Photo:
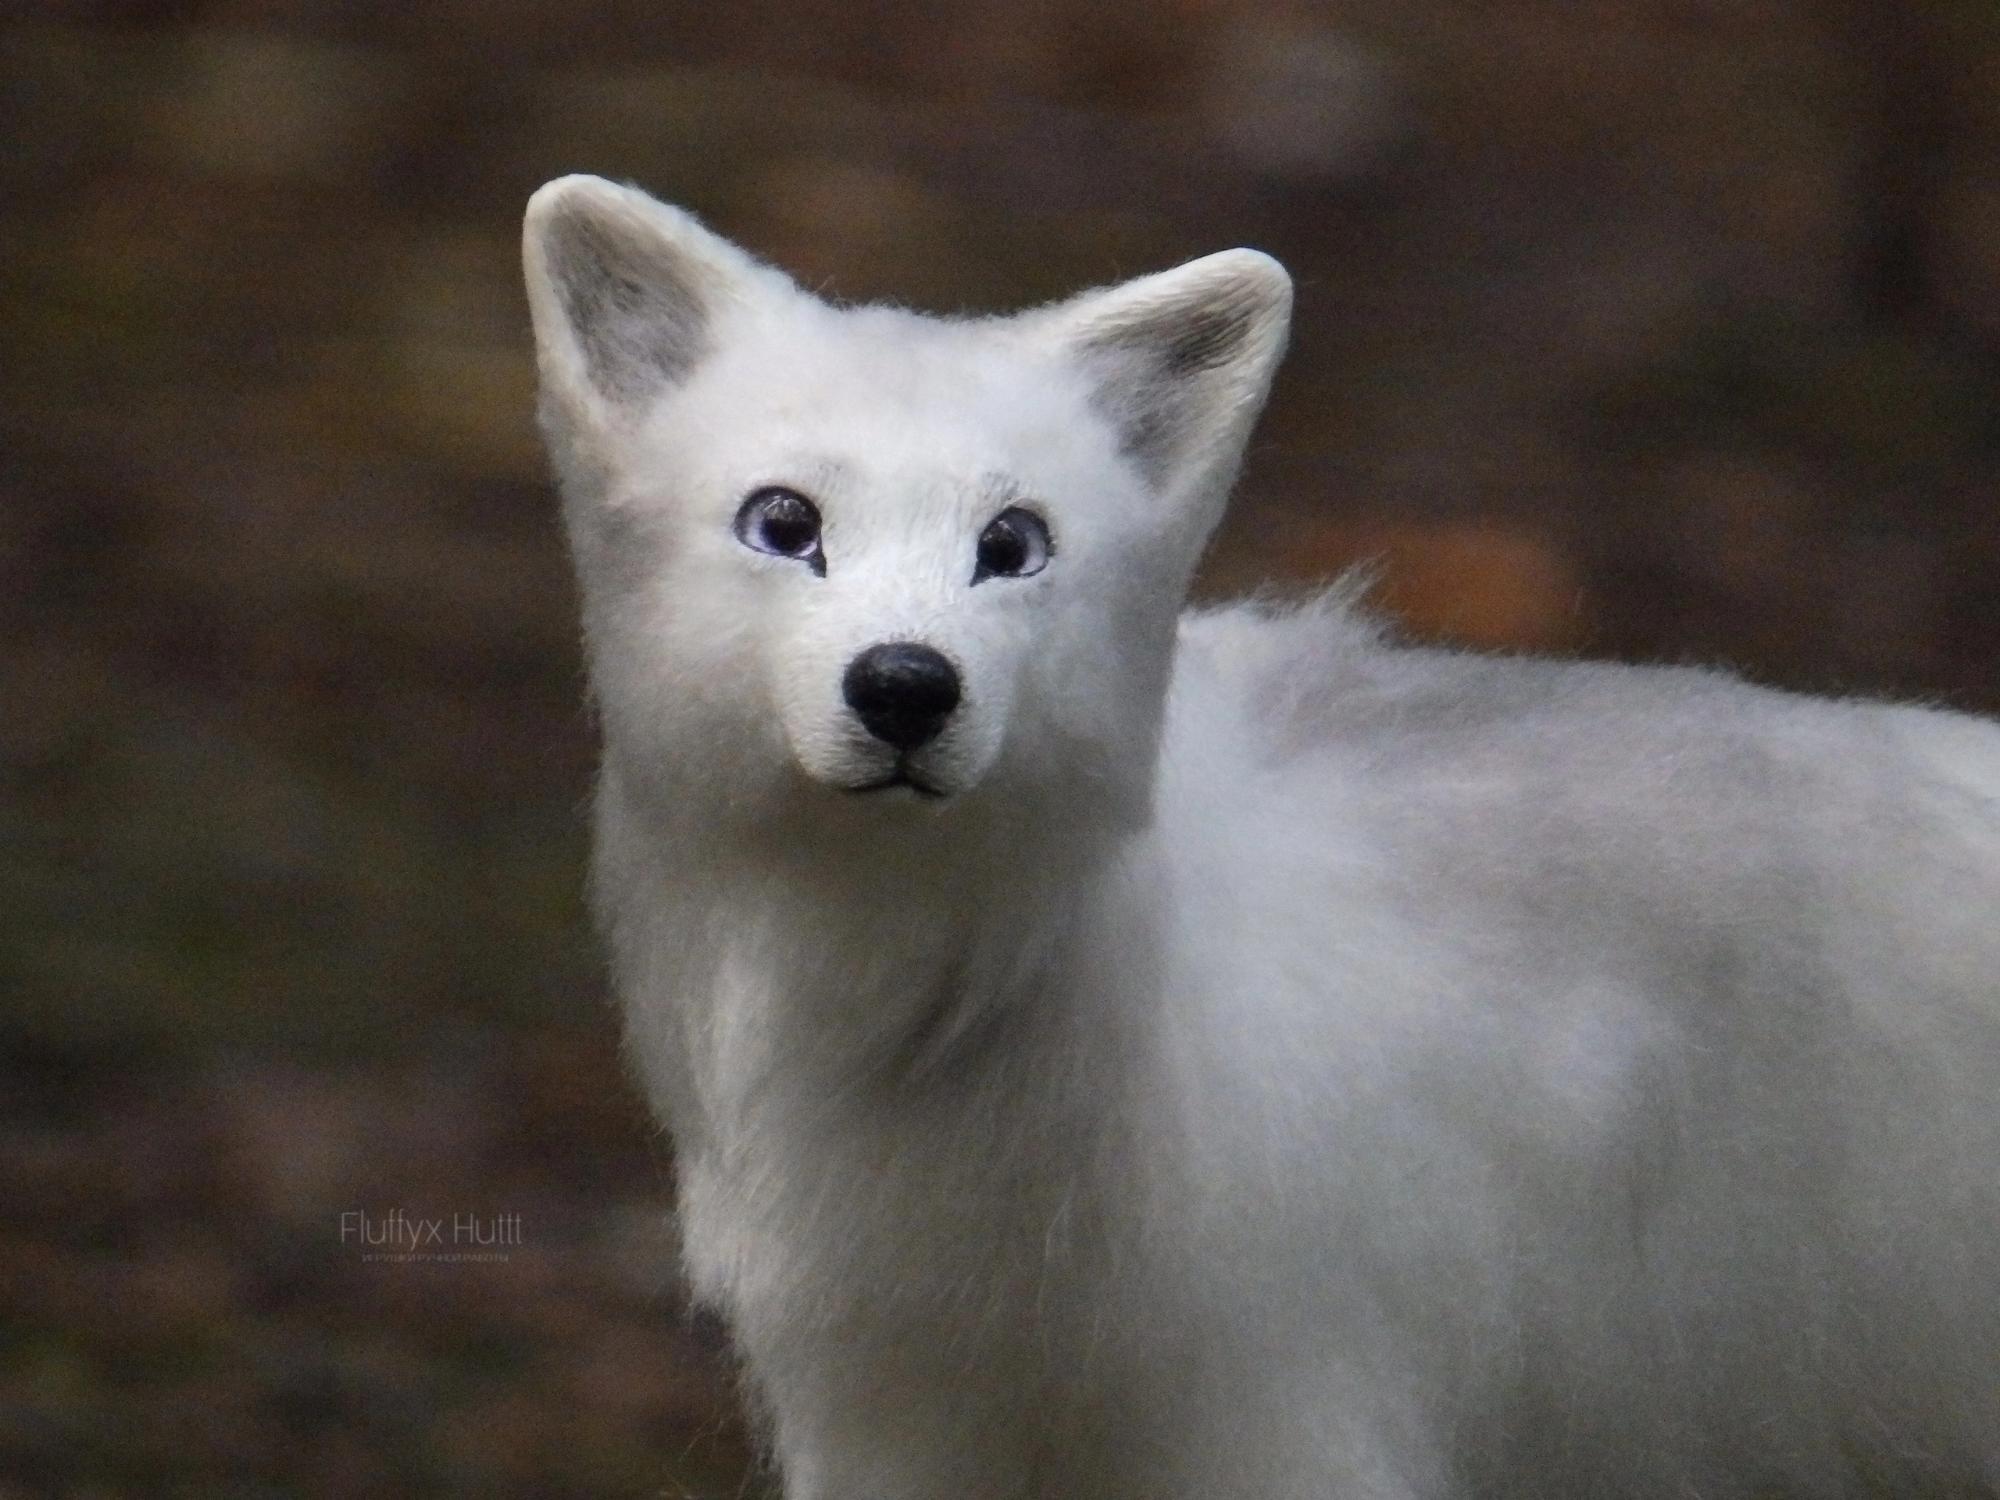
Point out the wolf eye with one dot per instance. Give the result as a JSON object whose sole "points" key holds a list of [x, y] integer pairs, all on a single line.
{"points": [[783, 523], [1015, 544]]}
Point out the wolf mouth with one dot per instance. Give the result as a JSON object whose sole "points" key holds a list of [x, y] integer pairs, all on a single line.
{"points": [[900, 777]]}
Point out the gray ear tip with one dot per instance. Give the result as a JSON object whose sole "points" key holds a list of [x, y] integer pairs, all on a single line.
{"points": [[563, 194], [1259, 277], [558, 207], [1245, 261], [581, 194], [580, 197], [580, 206]]}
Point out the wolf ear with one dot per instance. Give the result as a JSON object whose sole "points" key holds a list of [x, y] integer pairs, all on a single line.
{"points": [[1181, 361], [625, 292]]}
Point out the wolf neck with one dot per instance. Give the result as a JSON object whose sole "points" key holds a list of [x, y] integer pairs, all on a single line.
{"points": [[861, 977], [902, 972]]}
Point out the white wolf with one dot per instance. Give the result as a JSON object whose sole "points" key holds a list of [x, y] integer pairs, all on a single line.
{"points": [[1121, 1054]]}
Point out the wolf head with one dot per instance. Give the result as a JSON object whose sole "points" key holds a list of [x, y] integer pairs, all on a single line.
{"points": [[867, 559]]}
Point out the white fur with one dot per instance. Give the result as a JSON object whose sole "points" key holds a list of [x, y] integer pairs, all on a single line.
{"points": [[1288, 1064]]}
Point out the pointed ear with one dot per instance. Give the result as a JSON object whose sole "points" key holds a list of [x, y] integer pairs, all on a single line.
{"points": [[625, 292], [1181, 361]]}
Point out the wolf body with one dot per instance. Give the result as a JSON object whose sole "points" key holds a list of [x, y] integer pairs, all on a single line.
{"points": [[1115, 1052]]}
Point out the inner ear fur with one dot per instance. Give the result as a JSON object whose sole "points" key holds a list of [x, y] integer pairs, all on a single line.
{"points": [[624, 290], [1181, 361]]}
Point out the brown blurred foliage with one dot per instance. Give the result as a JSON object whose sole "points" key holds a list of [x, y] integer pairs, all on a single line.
{"points": [[1665, 329]]}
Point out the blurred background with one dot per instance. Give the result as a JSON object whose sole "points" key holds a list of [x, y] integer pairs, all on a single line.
{"points": [[1658, 329]]}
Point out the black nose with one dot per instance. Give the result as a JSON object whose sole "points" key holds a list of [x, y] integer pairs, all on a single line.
{"points": [[901, 692]]}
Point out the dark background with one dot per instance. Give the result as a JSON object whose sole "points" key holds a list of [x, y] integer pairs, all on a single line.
{"points": [[1647, 329]]}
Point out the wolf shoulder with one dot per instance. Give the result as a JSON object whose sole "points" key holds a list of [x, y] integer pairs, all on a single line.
{"points": [[1560, 774]]}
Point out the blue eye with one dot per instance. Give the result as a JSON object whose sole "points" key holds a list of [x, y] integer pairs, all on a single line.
{"points": [[1015, 544], [782, 523]]}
